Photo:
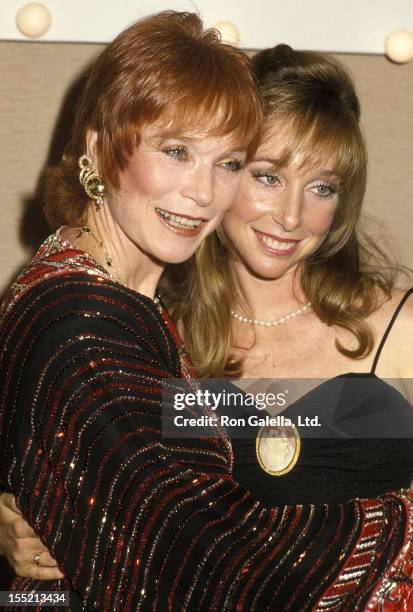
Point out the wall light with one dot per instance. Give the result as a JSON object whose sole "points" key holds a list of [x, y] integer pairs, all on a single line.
{"points": [[229, 32], [33, 20], [399, 47]]}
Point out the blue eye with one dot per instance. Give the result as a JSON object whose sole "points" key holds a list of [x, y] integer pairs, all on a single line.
{"points": [[233, 165], [324, 190], [178, 152], [266, 178]]}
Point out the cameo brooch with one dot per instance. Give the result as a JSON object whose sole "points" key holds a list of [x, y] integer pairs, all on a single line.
{"points": [[278, 449]]}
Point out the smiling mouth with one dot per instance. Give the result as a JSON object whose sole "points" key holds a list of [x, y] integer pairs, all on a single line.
{"points": [[276, 245], [180, 224]]}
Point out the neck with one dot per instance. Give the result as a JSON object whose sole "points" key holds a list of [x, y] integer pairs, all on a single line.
{"points": [[130, 266], [268, 298]]}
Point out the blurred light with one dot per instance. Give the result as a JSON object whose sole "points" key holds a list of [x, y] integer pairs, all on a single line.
{"points": [[229, 32], [399, 47], [33, 20]]}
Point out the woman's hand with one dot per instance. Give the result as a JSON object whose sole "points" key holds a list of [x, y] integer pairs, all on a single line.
{"points": [[21, 546]]}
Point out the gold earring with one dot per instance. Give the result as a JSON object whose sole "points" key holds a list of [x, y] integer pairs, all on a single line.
{"points": [[91, 181]]}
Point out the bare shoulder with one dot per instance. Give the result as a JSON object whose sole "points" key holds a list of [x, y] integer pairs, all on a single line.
{"points": [[388, 307], [400, 339], [404, 321]]}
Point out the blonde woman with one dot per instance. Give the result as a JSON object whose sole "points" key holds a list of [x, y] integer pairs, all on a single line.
{"points": [[297, 291]]}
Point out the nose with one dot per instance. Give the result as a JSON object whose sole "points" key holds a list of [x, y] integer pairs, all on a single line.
{"points": [[200, 185], [289, 210]]}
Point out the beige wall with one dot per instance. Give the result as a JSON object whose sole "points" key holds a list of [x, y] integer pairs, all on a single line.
{"points": [[350, 26], [37, 95]]}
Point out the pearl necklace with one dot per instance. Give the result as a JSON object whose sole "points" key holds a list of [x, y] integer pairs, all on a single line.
{"points": [[274, 322]]}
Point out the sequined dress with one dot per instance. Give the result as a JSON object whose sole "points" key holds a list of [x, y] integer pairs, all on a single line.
{"points": [[140, 522]]}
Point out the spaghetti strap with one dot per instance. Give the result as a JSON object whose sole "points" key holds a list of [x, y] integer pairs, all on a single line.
{"points": [[388, 330]]}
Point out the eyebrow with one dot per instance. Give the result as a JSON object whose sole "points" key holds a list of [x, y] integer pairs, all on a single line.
{"points": [[270, 160], [277, 162], [196, 138], [328, 174]]}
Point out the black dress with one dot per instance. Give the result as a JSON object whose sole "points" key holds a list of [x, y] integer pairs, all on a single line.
{"points": [[363, 448]]}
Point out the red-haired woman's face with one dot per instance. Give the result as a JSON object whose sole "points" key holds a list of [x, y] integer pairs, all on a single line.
{"points": [[281, 215], [174, 192]]}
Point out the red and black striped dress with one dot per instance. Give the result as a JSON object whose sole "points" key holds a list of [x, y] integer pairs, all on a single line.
{"points": [[141, 522]]}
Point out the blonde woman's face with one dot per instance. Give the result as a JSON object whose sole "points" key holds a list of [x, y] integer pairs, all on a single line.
{"points": [[280, 215]]}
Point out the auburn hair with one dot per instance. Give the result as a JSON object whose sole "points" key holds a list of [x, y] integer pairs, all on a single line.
{"points": [[165, 68], [346, 279]]}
